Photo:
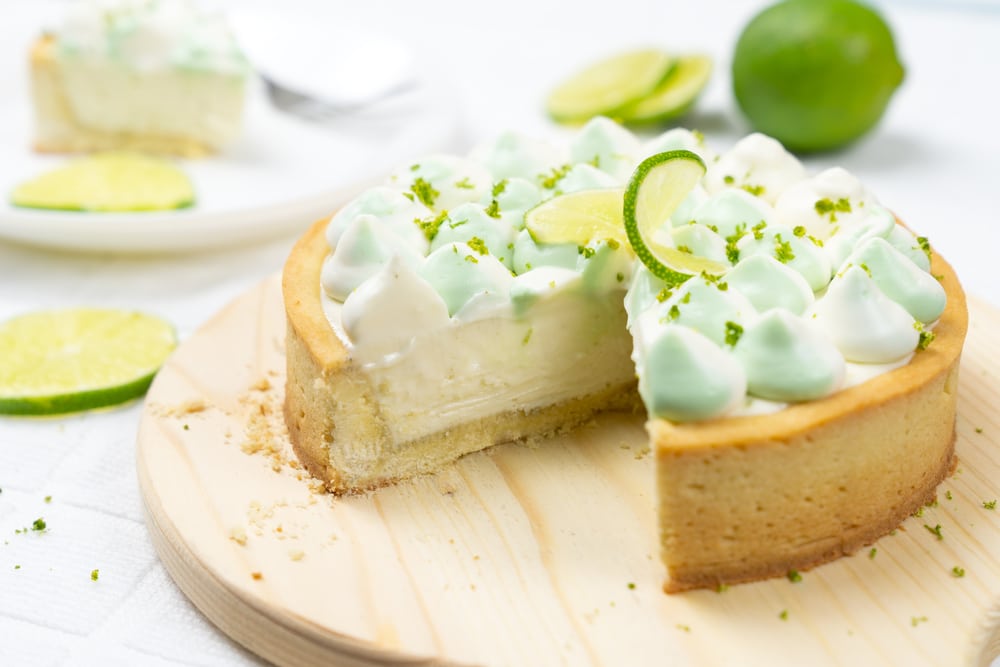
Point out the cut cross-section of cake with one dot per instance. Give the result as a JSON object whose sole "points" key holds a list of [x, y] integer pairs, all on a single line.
{"points": [[161, 76], [800, 399]]}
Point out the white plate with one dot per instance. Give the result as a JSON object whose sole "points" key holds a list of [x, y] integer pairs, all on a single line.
{"points": [[282, 174]]}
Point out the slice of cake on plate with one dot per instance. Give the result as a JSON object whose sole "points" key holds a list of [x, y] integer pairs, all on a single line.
{"points": [[801, 398], [161, 76]]}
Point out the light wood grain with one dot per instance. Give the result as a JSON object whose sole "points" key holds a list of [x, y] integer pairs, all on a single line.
{"points": [[526, 556]]}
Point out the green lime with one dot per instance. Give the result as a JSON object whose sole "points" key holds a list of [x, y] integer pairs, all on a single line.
{"points": [[606, 86], [657, 187], [77, 359], [675, 94], [815, 74], [108, 182], [578, 217]]}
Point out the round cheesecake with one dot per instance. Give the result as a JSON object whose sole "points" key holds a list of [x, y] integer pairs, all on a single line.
{"points": [[402, 361]]}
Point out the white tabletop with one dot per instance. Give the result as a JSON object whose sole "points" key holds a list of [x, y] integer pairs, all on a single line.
{"points": [[935, 160]]}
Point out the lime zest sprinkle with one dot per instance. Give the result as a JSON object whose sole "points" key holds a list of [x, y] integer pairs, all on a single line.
{"points": [[990, 504], [917, 620], [664, 294], [549, 181], [620, 277], [498, 188], [527, 336], [430, 226], [783, 615], [758, 230], [925, 245], [478, 245], [783, 250], [958, 572], [728, 180], [472, 259], [755, 190], [733, 333], [424, 191], [827, 206], [685, 249], [465, 184], [674, 312], [794, 576], [872, 553], [493, 210], [586, 251], [95, 574]]}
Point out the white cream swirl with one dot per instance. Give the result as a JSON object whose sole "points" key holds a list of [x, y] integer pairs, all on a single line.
{"points": [[864, 324]]}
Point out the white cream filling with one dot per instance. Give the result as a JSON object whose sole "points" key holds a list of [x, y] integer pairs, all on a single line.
{"points": [[568, 345]]}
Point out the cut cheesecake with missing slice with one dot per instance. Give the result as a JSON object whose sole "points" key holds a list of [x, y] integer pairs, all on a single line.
{"points": [[161, 77], [801, 403]]}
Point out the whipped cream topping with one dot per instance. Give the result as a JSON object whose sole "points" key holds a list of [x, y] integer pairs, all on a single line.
{"points": [[149, 35], [824, 289]]}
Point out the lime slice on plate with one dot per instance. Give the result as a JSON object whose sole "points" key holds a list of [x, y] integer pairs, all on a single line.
{"points": [[578, 217], [658, 185], [606, 86], [108, 182], [674, 95], [77, 359]]}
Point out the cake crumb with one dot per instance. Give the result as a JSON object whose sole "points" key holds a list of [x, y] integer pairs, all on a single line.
{"points": [[296, 554], [262, 384], [239, 535], [257, 576]]}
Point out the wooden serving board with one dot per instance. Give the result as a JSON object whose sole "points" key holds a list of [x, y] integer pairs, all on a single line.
{"points": [[527, 556]]}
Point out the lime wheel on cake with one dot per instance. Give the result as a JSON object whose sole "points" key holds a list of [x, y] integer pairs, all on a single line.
{"points": [[794, 346]]}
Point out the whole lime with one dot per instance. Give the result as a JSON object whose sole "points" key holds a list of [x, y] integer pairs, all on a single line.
{"points": [[815, 74]]}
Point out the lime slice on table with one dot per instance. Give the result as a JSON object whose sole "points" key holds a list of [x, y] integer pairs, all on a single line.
{"points": [[579, 217], [608, 85], [77, 359], [658, 185], [108, 182], [674, 95]]}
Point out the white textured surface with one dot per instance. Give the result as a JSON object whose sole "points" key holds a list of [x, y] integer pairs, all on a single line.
{"points": [[934, 160]]}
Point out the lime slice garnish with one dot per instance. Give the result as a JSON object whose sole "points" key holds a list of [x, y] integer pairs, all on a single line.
{"points": [[674, 95], [658, 185], [578, 217], [606, 86], [108, 182], [77, 359]]}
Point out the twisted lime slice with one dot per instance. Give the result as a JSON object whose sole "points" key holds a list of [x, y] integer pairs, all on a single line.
{"points": [[675, 94], [658, 185], [606, 86], [108, 182], [77, 359], [578, 217]]}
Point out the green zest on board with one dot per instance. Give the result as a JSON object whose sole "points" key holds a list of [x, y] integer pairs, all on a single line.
{"points": [[78, 359], [108, 182], [657, 187]]}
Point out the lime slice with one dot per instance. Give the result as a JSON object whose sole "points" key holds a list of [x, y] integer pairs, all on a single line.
{"points": [[77, 359], [606, 86], [578, 217], [674, 95], [108, 182], [658, 185]]}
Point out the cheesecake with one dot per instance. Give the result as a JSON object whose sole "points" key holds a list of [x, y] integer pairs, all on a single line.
{"points": [[800, 404], [157, 76]]}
